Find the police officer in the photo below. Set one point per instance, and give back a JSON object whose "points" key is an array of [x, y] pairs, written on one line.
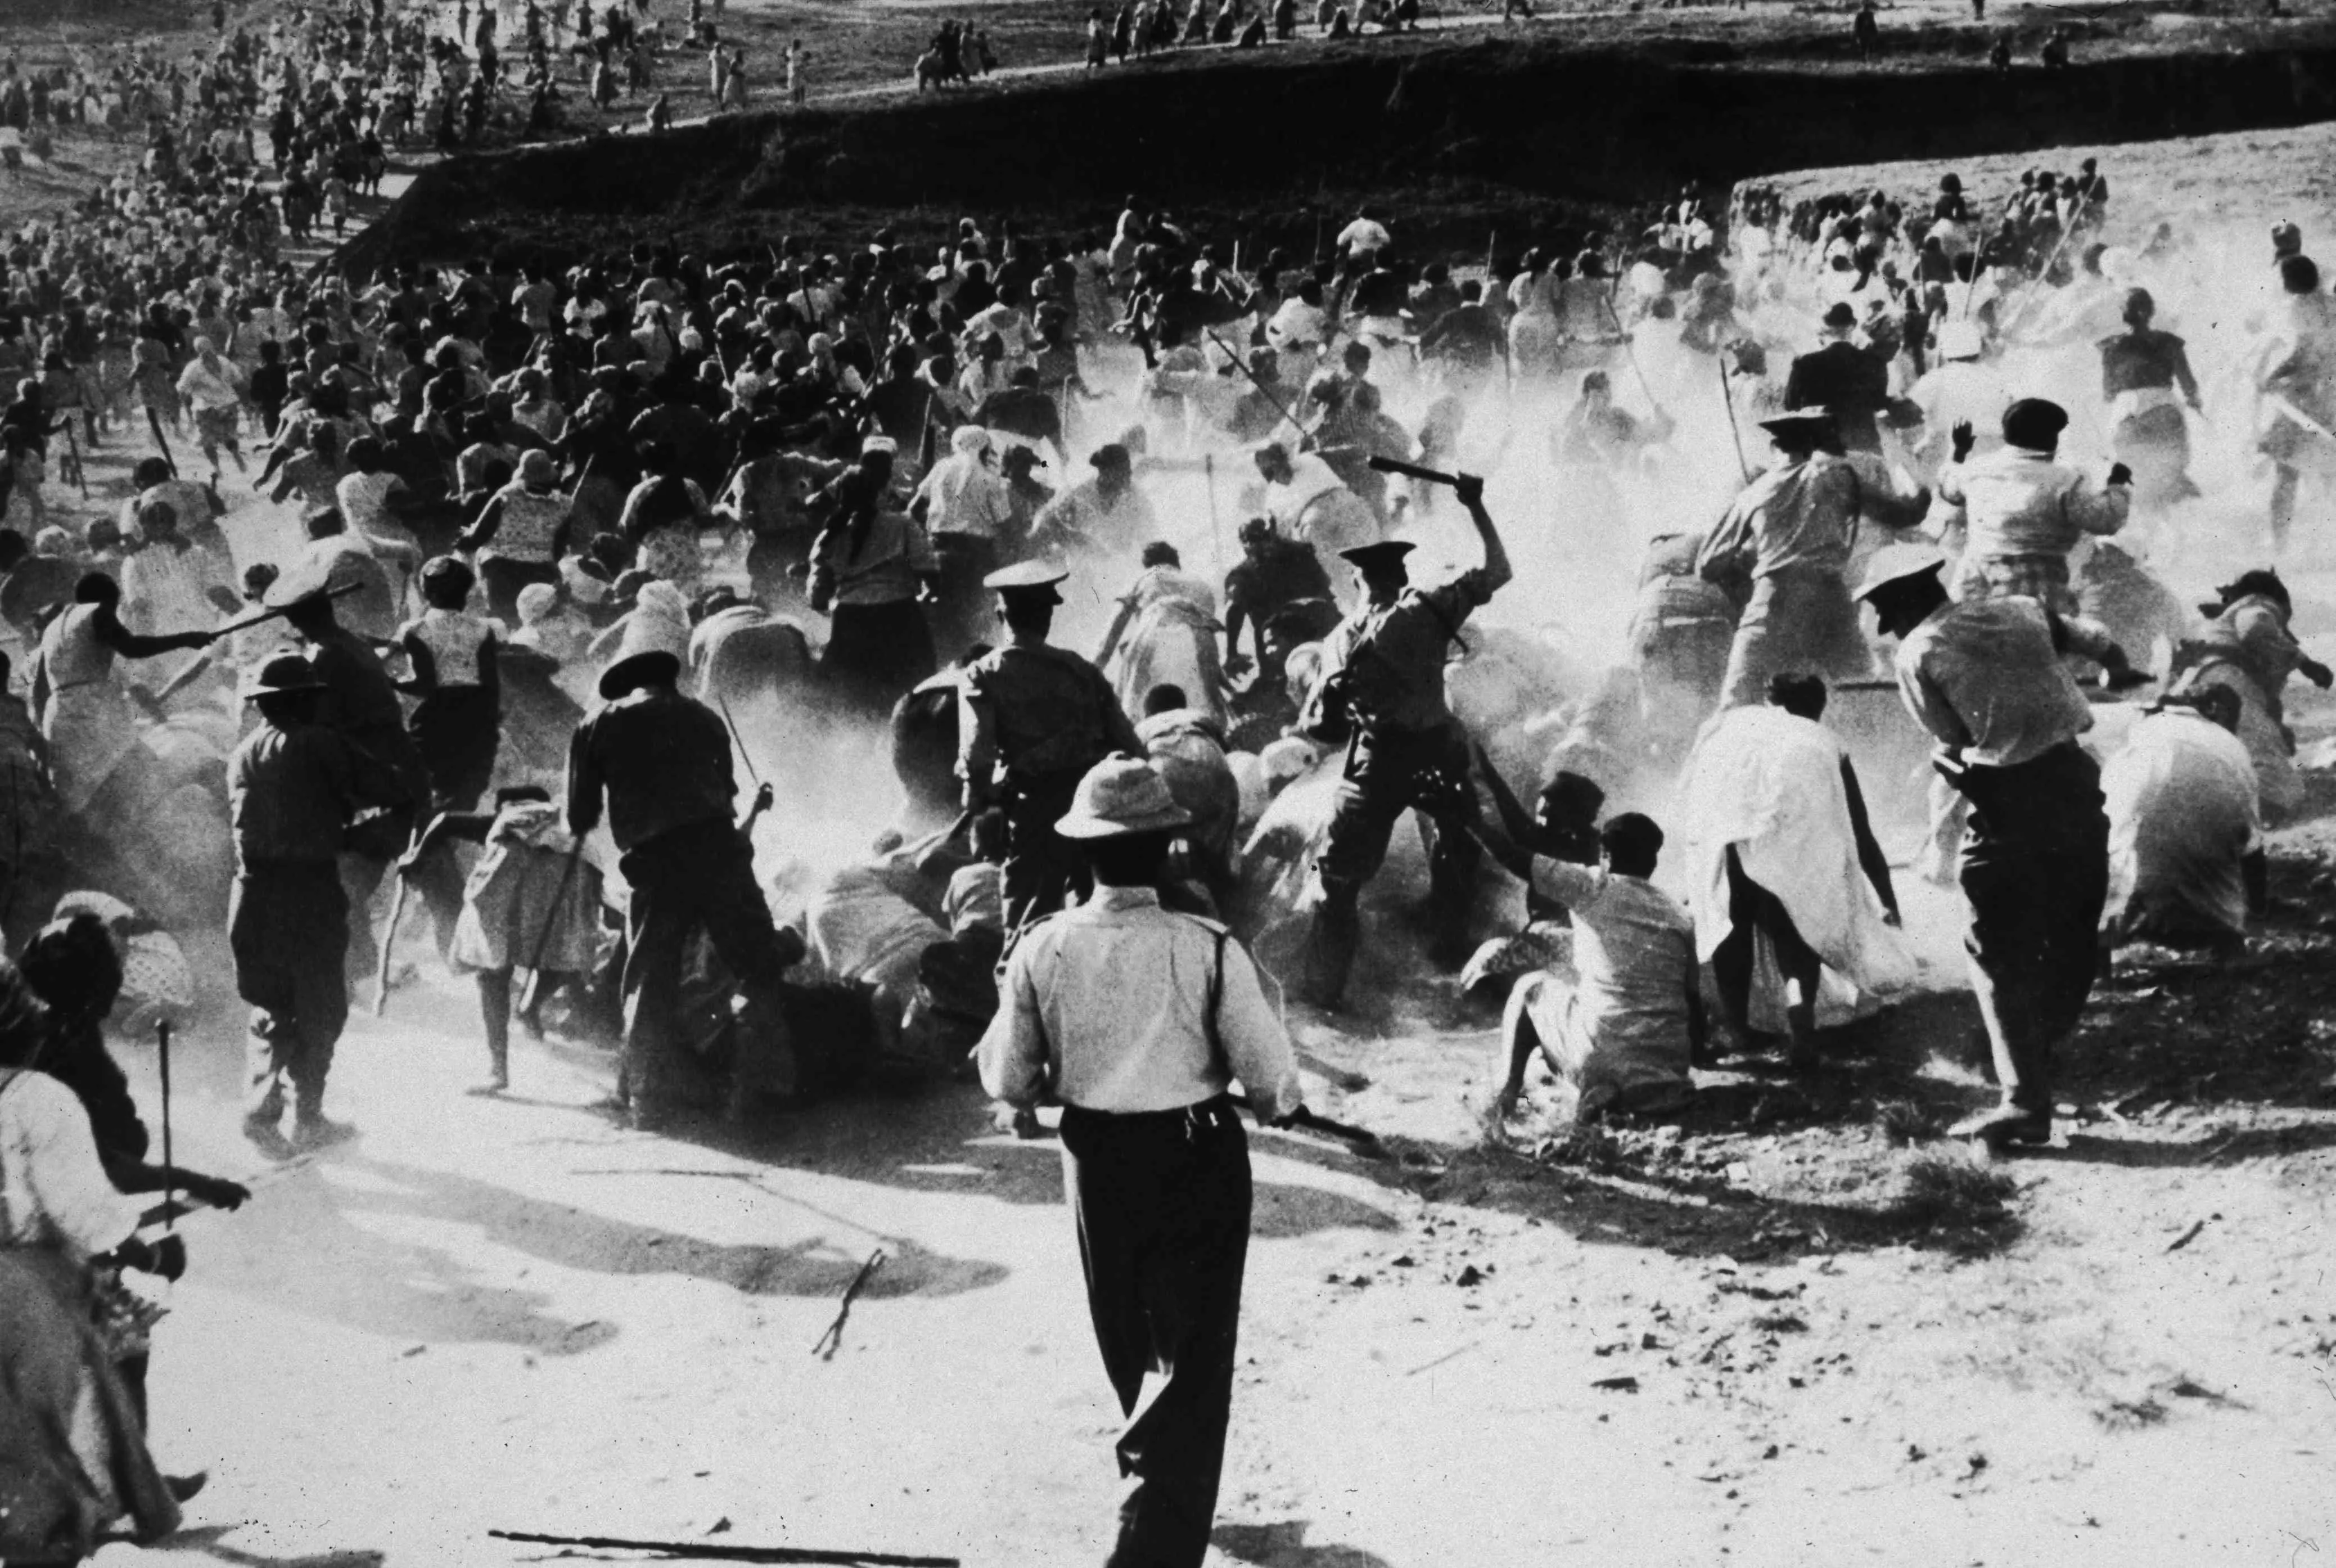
{"points": [[293, 786], [1384, 694], [1138, 1020], [1032, 718], [661, 762]]}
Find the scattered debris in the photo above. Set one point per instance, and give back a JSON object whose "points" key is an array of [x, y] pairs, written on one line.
{"points": [[832, 1340], [2125, 1414], [1954, 1189], [1626, 1384]]}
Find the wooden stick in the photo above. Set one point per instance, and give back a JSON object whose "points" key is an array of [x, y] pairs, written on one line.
{"points": [[154, 423], [170, 1166], [1414, 471], [1279, 406], [1727, 401], [712, 1552], [388, 941], [1364, 1140], [832, 1340], [736, 739], [265, 616]]}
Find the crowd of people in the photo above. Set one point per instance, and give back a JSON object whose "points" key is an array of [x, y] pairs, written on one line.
{"points": [[504, 578]]}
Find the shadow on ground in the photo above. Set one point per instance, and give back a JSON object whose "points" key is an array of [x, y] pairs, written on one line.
{"points": [[1283, 1545]]}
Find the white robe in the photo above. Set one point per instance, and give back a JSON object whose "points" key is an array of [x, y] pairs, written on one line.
{"points": [[1770, 783]]}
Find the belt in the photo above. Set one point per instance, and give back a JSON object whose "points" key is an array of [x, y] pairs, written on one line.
{"points": [[1189, 1122]]}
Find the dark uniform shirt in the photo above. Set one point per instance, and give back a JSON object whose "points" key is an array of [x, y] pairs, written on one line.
{"points": [[291, 791], [1259, 586], [663, 760], [1036, 712], [1393, 659]]}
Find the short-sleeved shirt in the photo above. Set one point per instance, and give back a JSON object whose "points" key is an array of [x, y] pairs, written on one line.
{"points": [[1038, 711], [1633, 959], [1110, 1005], [1395, 657], [1983, 675]]}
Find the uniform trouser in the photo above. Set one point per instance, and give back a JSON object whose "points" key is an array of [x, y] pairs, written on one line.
{"points": [[1161, 1202], [1389, 772], [701, 874], [1041, 865], [2035, 871], [287, 928]]}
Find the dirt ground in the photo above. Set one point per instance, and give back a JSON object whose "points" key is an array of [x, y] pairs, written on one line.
{"points": [[1797, 1328]]}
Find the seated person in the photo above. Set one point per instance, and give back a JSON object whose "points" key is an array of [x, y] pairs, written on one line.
{"points": [[1622, 1032]]}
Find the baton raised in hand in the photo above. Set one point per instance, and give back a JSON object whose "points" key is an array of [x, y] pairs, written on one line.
{"points": [[1414, 471]]}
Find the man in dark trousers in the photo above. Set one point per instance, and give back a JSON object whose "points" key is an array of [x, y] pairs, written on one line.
{"points": [[661, 763], [1138, 1020], [361, 701], [1988, 679], [1384, 697], [1843, 378], [1032, 718], [293, 786]]}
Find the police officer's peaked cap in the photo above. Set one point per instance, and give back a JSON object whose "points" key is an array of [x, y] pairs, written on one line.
{"points": [[1029, 577], [1380, 552], [1808, 423]]}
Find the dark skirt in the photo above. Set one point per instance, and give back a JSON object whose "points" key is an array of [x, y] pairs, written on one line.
{"points": [[457, 729], [875, 653]]}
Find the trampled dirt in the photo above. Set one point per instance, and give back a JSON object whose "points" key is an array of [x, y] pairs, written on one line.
{"points": [[1797, 1328]]}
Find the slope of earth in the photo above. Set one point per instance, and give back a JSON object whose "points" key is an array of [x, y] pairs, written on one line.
{"points": [[1521, 132]]}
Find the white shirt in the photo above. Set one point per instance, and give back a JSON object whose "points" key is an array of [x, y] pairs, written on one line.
{"points": [[1364, 234], [1107, 1003], [53, 1191], [963, 495], [2021, 502], [2182, 807], [209, 390]]}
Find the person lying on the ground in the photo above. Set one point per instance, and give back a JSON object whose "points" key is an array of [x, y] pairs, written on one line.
{"points": [[2187, 861], [1620, 1036]]}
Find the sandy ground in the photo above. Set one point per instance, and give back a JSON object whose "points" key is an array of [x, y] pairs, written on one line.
{"points": [[505, 1314]]}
